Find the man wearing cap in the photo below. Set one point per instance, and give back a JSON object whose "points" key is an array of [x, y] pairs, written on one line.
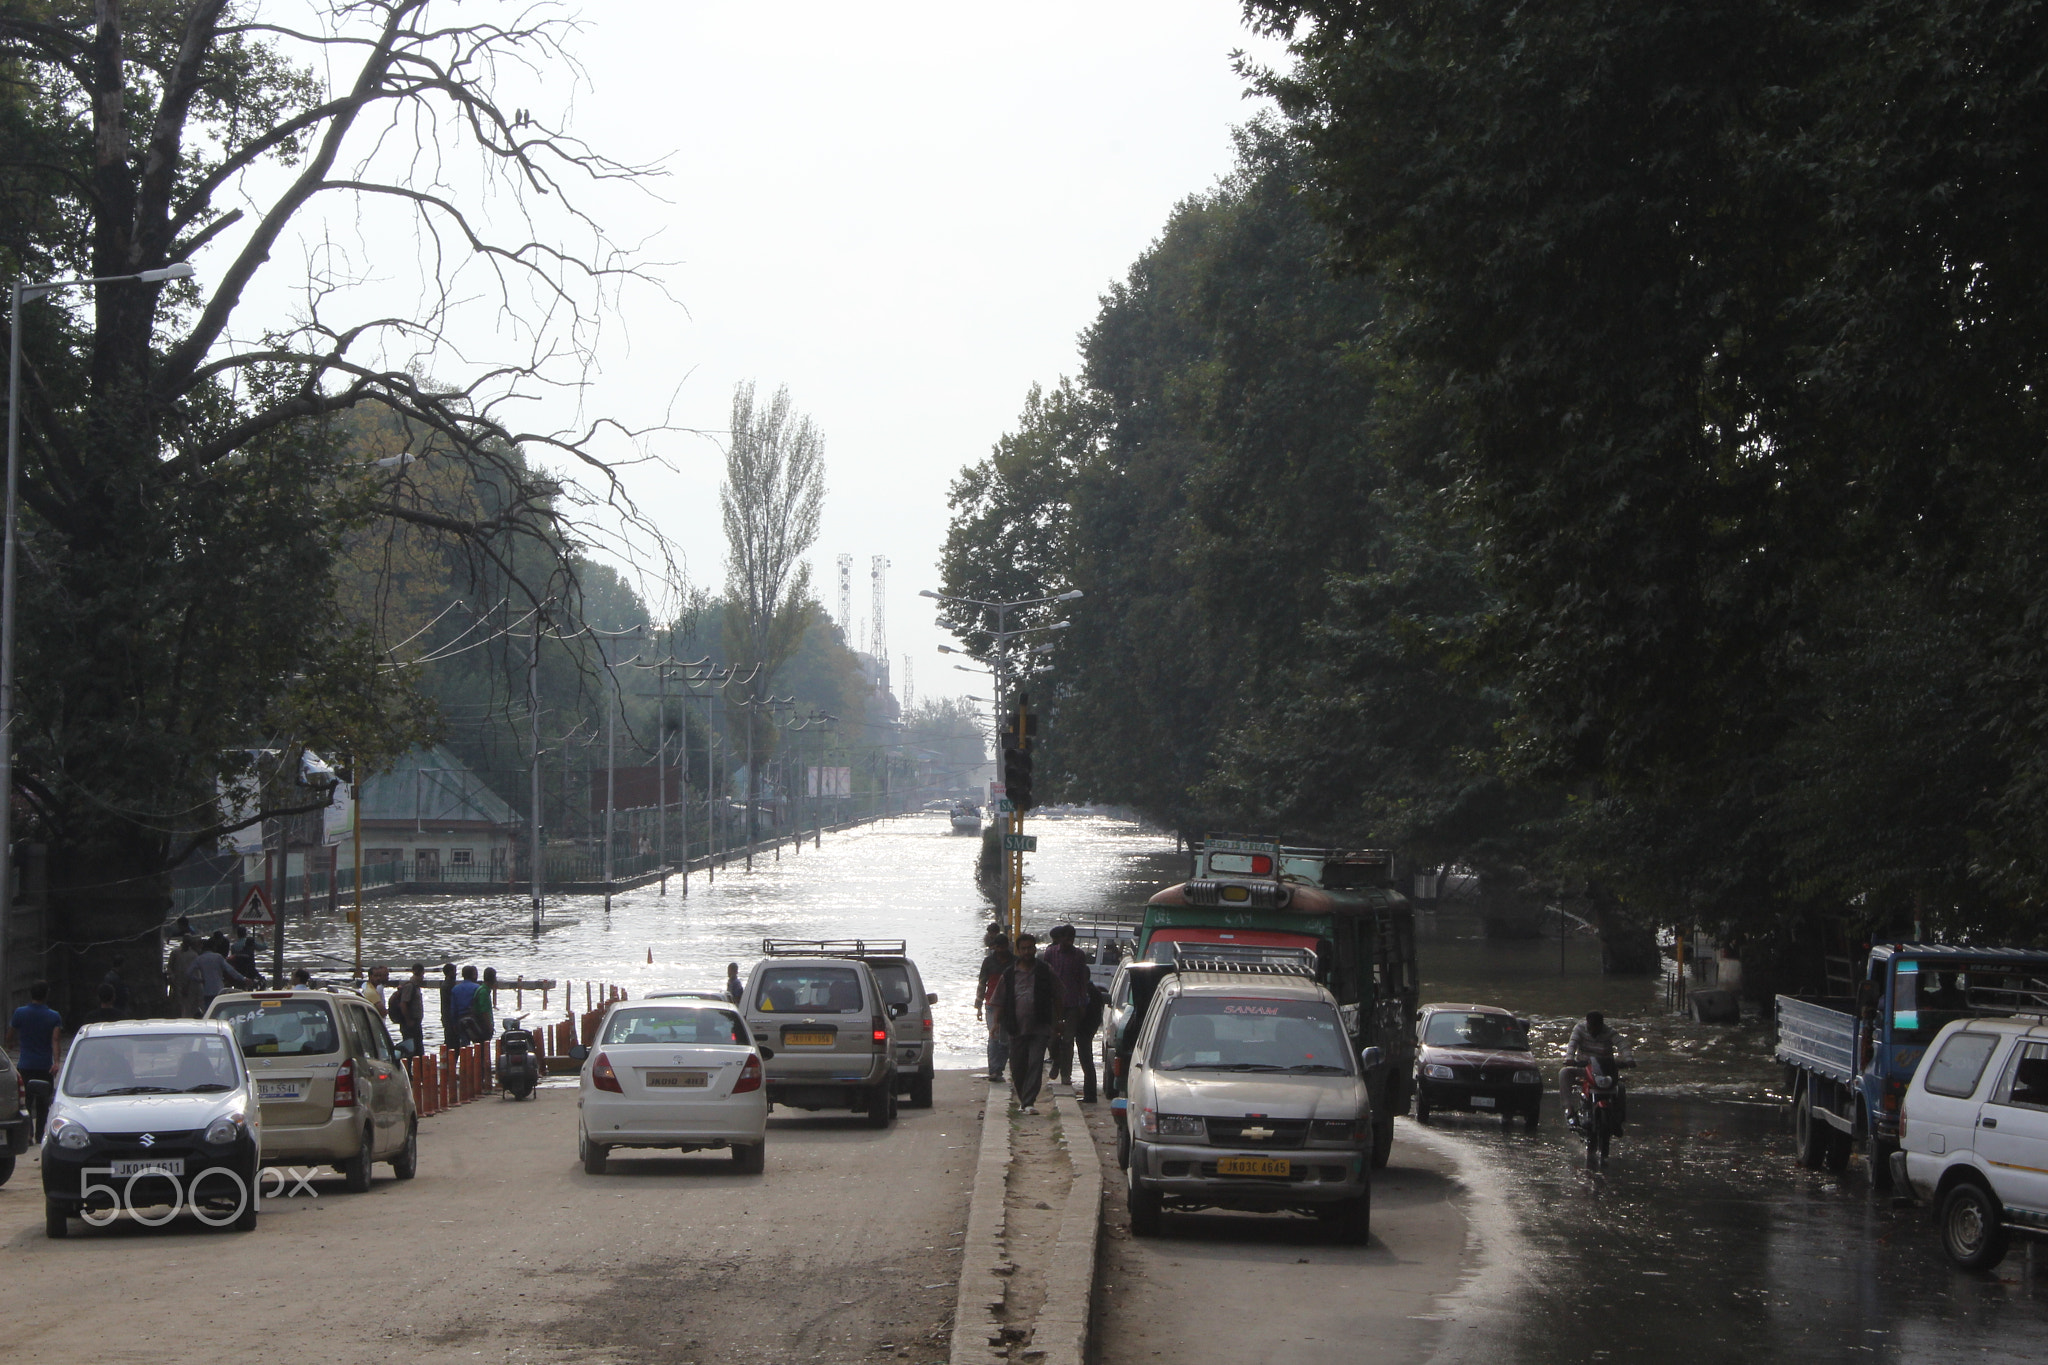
{"points": [[1069, 967]]}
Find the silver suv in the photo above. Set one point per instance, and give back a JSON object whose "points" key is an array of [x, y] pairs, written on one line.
{"points": [[1244, 1094], [823, 1024]]}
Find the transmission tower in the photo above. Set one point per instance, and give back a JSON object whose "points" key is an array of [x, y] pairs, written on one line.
{"points": [[878, 639], [909, 684], [846, 600]]}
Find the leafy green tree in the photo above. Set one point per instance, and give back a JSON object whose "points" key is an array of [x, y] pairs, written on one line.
{"points": [[187, 474]]}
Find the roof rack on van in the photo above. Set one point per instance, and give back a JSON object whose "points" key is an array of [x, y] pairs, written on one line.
{"points": [[834, 947], [1237, 966], [2029, 997]]}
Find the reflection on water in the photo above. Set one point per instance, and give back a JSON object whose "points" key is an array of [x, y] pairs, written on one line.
{"points": [[1703, 1238], [909, 878]]}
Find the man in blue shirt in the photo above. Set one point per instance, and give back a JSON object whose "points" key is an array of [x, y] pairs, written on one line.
{"points": [[36, 1027]]}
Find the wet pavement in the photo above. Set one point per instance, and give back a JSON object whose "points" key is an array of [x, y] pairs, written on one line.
{"points": [[1701, 1240]]}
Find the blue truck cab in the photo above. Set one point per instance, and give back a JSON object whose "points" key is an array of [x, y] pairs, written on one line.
{"points": [[1849, 1059]]}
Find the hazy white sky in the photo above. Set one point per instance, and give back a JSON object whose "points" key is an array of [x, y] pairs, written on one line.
{"points": [[906, 213]]}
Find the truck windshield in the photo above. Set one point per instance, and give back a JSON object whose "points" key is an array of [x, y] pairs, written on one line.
{"points": [[1224, 1033], [1926, 995]]}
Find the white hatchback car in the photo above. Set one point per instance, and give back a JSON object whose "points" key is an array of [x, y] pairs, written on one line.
{"points": [[1973, 1136], [677, 1073]]}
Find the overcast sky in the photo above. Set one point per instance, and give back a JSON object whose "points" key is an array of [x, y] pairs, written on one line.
{"points": [[905, 213]]}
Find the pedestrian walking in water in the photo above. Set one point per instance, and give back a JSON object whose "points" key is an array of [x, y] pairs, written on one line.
{"points": [[1026, 1005], [211, 970], [1069, 967], [735, 989], [408, 1006], [992, 968]]}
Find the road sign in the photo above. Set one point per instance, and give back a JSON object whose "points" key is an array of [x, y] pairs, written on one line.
{"points": [[1005, 806], [1020, 843], [254, 912]]}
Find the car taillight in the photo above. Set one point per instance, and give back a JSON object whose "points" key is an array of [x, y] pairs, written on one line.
{"points": [[750, 1077], [927, 1022], [603, 1077], [881, 1027], [345, 1086]]}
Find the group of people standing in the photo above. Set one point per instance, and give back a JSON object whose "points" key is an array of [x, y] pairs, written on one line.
{"points": [[1040, 1010]]}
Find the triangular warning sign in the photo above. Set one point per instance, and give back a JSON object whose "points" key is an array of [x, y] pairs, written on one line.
{"points": [[254, 911]]}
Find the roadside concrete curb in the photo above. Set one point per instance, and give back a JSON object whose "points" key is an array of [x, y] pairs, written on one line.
{"points": [[985, 1264], [1061, 1331]]}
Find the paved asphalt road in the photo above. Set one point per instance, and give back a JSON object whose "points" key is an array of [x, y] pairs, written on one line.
{"points": [[1274, 1288], [502, 1249]]}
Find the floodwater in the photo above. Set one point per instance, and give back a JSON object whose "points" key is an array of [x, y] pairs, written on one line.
{"points": [[910, 878], [1702, 1239]]}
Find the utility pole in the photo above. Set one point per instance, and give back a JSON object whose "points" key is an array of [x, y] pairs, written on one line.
{"points": [[661, 769], [355, 820], [533, 726], [611, 772]]}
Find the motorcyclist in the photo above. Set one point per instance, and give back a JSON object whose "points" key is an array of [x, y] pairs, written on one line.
{"points": [[1591, 1041]]}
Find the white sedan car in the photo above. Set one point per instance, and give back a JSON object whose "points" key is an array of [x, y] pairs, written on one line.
{"points": [[678, 1073]]}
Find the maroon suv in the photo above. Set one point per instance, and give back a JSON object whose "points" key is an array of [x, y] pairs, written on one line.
{"points": [[1475, 1058]]}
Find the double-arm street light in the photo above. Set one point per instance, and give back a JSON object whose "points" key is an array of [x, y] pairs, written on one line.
{"points": [[21, 293]]}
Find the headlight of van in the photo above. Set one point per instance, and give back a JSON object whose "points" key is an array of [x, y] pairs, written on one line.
{"points": [[1154, 1124], [224, 1130], [1438, 1072]]}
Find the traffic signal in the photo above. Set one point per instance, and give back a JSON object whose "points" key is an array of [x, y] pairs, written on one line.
{"points": [[1017, 776], [1022, 725]]}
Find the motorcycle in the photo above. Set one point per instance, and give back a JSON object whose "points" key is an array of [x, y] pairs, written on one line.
{"points": [[1603, 1107], [518, 1063]]}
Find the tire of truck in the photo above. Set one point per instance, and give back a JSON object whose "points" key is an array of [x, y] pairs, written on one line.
{"points": [[1808, 1142], [1972, 1226], [1881, 1150], [1382, 1141], [1840, 1146], [1145, 1208]]}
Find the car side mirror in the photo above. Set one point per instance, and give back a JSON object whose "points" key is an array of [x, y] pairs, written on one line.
{"points": [[578, 1053], [931, 997], [1418, 1016], [1371, 1058]]}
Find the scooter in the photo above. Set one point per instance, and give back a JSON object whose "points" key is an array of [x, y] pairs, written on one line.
{"points": [[1603, 1107], [518, 1064]]}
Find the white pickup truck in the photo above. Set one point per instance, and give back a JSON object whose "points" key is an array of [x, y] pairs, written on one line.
{"points": [[1973, 1135]]}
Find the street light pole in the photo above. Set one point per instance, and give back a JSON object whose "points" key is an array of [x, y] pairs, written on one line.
{"points": [[21, 293]]}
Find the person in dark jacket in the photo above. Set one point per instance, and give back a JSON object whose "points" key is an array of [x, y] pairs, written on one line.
{"points": [[1026, 1005], [992, 968]]}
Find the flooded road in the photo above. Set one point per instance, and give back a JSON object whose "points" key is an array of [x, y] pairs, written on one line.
{"points": [[1703, 1239], [910, 878]]}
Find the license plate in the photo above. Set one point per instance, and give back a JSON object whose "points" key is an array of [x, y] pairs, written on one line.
{"points": [[280, 1090], [790, 1039], [170, 1165], [1255, 1165], [678, 1080], [1482, 1101]]}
